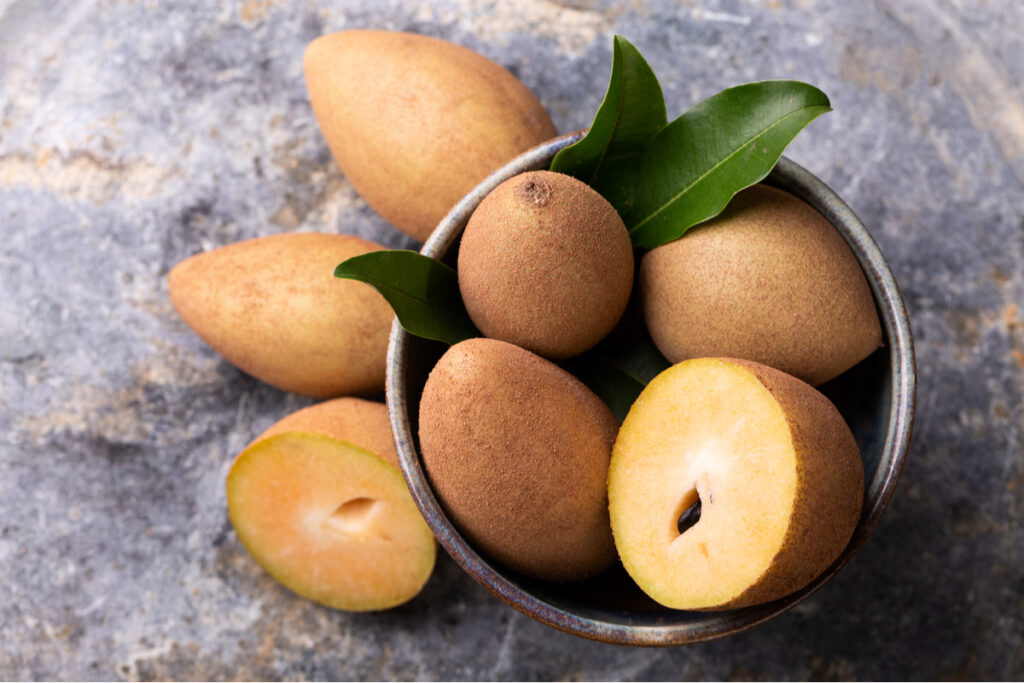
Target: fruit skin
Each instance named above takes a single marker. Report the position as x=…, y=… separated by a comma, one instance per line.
x=272, y=307
x=360, y=422
x=415, y=122
x=342, y=439
x=829, y=479
x=769, y=280
x=830, y=487
x=516, y=450
x=545, y=263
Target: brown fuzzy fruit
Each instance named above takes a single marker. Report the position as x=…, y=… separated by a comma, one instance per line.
x=545, y=263
x=414, y=122
x=319, y=502
x=516, y=450
x=272, y=307
x=771, y=280
x=731, y=484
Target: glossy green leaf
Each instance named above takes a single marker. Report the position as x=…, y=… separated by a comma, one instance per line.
x=617, y=388
x=633, y=110
x=693, y=167
x=423, y=292
x=619, y=367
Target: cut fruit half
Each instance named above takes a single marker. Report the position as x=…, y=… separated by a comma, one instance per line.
x=731, y=484
x=331, y=521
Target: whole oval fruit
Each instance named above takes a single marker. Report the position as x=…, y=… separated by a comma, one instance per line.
x=272, y=307
x=517, y=451
x=545, y=263
x=768, y=280
x=415, y=122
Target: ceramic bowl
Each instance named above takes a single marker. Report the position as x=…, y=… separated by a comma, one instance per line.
x=876, y=397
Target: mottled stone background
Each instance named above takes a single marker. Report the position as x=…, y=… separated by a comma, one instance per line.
x=134, y=133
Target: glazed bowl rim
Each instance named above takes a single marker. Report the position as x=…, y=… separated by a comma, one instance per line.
x=896, y=325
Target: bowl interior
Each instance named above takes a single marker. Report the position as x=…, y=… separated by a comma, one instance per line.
x=875, y=397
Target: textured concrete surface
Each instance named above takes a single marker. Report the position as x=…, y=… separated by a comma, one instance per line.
x=135, y=133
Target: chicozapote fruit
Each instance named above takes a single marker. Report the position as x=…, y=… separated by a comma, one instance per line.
x=770, y=280
x=731, y=484
x=272, y=306
x=319, y=502
x=415, y=122
x=516, y=450
x=545, y=263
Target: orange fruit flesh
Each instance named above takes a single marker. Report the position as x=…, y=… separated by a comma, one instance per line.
x=702, y=429
x=330, y=521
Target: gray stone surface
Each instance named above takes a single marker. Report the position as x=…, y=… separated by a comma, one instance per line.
x=135, y=133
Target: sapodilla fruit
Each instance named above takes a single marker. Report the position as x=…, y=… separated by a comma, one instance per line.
x=272, y=306
x=769, y=280
x=516, y=450
x=545, y=263
x=415, y=122
x=319, y=502
x=731, y=484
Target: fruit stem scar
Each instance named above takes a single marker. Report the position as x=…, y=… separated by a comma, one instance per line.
x=535, y=192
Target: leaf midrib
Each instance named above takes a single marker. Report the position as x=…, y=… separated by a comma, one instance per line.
x=615, y=124
x=724, y=159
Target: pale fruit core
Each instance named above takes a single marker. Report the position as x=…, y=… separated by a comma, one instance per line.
x=331, y=521
x=704, y=430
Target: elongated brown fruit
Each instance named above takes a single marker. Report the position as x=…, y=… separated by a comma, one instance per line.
x=319, y=502
x=416, y=122
x=517, y=452
x=273, y=307
x=769, y=280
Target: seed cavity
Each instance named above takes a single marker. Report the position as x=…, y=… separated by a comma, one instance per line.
x=688, y=511
x=353, y=515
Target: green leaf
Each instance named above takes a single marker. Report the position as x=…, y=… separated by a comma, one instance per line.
x=613, y=385
x=423, y=292
x=693, y=167
x=633, y=110
x=618, y=375
x=634, y=354
x=622, y=364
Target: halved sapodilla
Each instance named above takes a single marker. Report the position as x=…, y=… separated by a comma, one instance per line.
x=731, y=484
x=319, y=502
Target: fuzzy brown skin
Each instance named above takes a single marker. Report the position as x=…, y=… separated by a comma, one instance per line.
x=830, y=488
x=517, y=451
x=545, y=263
x=272, y=307
x=415, y=122
x=769, y=280
x=359, y=422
